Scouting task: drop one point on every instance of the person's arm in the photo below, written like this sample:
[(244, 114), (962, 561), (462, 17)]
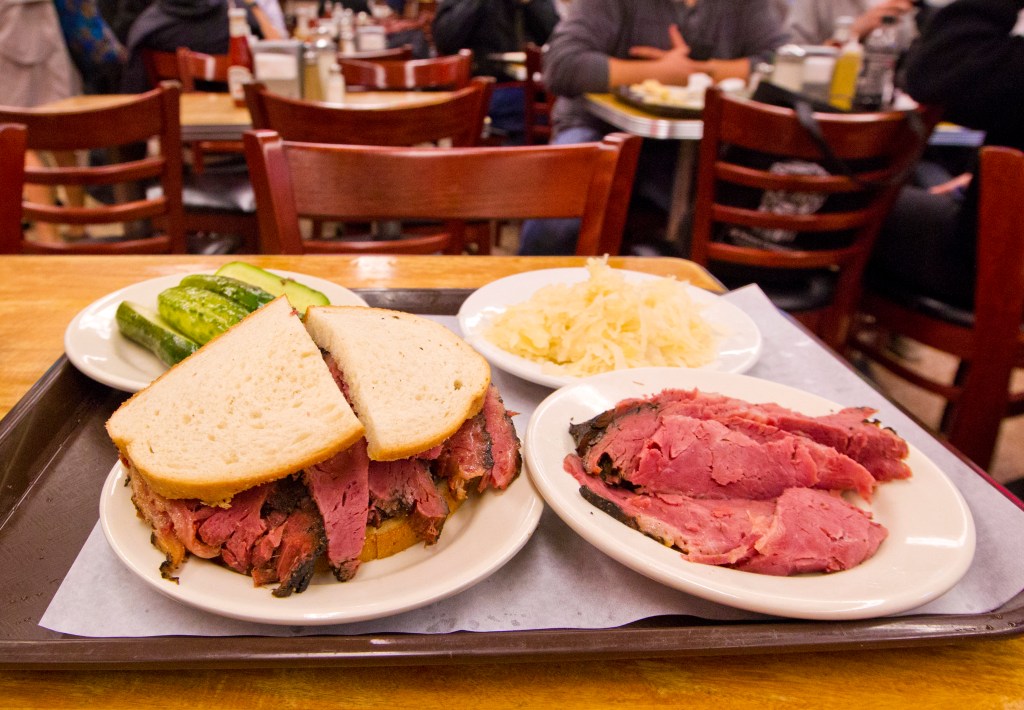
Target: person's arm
[(863, 24), (454, 24), (967, 61), (577, 58), (672, 66)]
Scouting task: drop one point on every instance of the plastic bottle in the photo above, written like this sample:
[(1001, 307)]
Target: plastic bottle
[(240, 61), (844, 77), (877, 77)]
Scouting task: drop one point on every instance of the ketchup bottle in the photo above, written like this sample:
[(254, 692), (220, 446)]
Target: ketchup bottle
[(240, 62)]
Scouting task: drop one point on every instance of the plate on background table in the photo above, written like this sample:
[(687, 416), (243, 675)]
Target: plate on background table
[(478, 538), (684, 108), (738, 349), (929, 548), (96, 347)]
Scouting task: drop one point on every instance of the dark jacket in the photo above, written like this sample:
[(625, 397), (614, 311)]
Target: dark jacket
[(200, 25), (491, 27), (968, 61)]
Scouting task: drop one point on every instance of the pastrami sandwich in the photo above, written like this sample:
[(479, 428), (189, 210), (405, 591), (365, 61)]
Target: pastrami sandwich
[(275, 448)]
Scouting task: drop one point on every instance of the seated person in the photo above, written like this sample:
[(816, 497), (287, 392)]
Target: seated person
[(604, 44), (200, 25), (491, 27), (814, 21), (927, 245)]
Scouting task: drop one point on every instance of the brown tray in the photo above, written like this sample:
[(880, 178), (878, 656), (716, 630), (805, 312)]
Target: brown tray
[(55, 455)]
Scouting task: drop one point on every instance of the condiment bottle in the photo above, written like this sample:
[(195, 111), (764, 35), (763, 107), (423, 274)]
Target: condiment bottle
[(844, 76), (240, 61)]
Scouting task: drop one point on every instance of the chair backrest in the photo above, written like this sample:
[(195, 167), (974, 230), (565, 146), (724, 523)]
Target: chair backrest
[(12, 177), (193, 66), (988, 342), (154, 114), (745, 144), (402, 53), (293, 180), (449, 72), (538, 100), (459, 117), (981, 398), (160, 66)]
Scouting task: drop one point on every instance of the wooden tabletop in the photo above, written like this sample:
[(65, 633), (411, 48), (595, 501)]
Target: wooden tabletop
[(40, 295)]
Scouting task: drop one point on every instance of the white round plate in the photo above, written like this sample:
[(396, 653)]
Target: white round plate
[(738, 349), (477, 540), (95, 346), (931, 532)]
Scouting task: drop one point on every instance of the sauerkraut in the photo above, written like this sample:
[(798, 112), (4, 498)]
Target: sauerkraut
[(606, 323)]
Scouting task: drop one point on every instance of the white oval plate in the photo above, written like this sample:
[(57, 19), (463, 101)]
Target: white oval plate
[(931, 532), (738, 349), (477, 540), (95, 346)]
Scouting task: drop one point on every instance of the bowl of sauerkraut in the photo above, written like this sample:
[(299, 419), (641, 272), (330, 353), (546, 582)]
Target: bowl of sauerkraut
[(554, 326)]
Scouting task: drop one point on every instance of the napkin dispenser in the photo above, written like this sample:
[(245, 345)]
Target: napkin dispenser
[(278, 66)]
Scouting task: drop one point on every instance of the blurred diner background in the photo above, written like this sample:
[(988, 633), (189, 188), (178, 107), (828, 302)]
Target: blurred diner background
[(831, 151)]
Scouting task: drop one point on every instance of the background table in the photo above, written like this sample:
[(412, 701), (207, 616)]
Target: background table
[(39, 295)]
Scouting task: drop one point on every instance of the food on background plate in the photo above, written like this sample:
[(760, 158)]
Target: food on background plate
[(202, 306), (274, 446), (756, 487), (606, 323)]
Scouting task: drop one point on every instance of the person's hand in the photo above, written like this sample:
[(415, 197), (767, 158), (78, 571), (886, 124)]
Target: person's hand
[(670, 66), (871, 19), (960, 182)]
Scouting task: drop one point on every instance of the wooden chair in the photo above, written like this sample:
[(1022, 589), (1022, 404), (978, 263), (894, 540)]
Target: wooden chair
[(808, 261), (293, 180), (989, 341), (441, 73), (538, 100), (214, 203), (457, 120), (12, 178), (398, 54), (150, 115), (211, 68)]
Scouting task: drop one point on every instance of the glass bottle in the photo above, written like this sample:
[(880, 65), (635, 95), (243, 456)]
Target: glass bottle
[(240, 61)]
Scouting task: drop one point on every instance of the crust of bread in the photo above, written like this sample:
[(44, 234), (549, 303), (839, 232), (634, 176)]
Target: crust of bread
[(189, 436), (411, 381), (395, 534)]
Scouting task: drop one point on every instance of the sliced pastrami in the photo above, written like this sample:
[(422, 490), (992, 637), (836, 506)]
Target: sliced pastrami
[(287, 553), (340, 487), (466, 457), (406, 487), (174, 523), (850, 432), (716, 532), (706, 459), (814, 531), (505, 446), (237, 528)]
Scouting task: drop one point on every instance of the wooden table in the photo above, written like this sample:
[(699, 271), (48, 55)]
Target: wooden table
[(39, 295), (687, 131), (214, 116)]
